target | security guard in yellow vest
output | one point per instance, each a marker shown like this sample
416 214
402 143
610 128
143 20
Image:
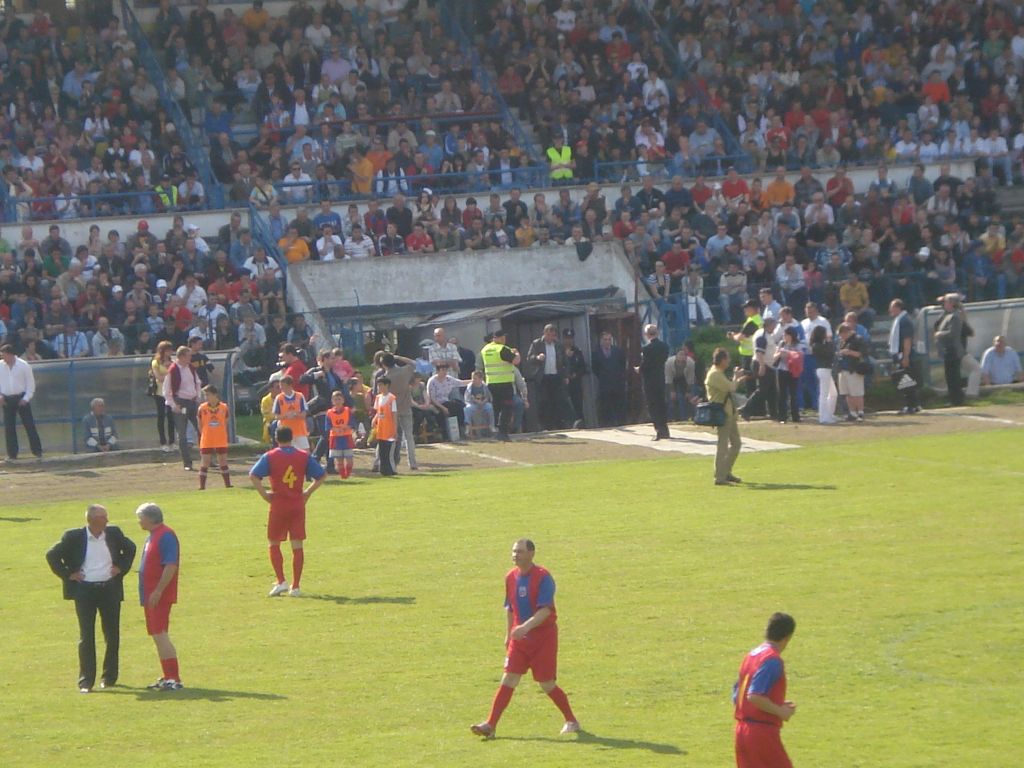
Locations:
560 160
744 337
167 193
499 372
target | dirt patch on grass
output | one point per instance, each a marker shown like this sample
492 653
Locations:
150 473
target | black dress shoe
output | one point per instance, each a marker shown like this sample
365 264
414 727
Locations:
733 479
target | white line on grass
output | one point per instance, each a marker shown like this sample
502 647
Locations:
482 455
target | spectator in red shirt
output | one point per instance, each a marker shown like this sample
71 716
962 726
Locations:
735 189
418 240
838 188
294 367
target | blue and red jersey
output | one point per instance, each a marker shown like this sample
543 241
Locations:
762 673
526 593
288 469
161 548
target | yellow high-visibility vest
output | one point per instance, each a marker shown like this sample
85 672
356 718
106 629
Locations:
560 158
496 370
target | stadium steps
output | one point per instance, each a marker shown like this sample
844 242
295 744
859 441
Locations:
1011 200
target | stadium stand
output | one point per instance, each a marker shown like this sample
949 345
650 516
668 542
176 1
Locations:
733 128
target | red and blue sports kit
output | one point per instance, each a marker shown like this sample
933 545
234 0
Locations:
288 468
161 549
759 734
525 594
340 423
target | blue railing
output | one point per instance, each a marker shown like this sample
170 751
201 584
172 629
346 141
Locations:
106 204
450 20
340 190
413 121
635 169
262 235
194 148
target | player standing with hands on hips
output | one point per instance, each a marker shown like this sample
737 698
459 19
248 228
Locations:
288 468
158 590
760 699
531 640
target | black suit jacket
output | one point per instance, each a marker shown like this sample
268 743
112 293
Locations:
67 556
611 370
535 367
652 364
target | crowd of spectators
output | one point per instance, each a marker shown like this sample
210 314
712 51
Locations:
764 84
346 101
119 295
82 126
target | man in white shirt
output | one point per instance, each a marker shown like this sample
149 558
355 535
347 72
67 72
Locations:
192 294
998 155
358 245
17 386
181 395
298 188
91 563
814 320
329 246
443 350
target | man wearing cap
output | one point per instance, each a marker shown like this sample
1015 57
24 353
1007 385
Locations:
499 371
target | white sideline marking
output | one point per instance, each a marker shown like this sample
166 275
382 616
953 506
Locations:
689 441
482 455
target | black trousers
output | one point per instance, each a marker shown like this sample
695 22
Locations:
576 397
764 395
12 409
105 599
910 398
954 384
655 393
164 421
788 396
503 397
554 402
386 450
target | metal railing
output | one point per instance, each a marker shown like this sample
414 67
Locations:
64 389
635 169
92 206
194 148
262 235
413 121
340 190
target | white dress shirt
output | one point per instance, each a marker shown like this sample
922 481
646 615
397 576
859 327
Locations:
550 359
17 379
98 562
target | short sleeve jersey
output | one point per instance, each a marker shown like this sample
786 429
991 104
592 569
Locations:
288 468
291 412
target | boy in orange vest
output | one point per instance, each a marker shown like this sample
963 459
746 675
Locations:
339 419
385 418
213 435
291 410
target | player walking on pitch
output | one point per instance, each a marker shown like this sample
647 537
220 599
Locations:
760 699
288 468
531 639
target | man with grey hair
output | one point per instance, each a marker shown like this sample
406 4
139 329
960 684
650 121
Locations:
444 349
91 563
158 590
653 356
98 428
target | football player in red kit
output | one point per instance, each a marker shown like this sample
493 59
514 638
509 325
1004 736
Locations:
288 468
760 699
531 639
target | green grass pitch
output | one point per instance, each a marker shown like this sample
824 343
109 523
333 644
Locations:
901 561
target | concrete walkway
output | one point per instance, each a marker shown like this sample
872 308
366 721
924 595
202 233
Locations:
684 440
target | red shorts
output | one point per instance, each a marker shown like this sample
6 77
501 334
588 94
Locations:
210 451
760 746
286 524
538 651
158 619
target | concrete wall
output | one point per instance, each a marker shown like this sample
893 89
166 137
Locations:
76 231
469 275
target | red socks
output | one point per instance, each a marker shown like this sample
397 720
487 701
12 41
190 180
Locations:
558 696
226 475
277 560
170 669
501 700
298 558
202 478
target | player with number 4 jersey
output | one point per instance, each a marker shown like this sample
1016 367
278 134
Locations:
288 469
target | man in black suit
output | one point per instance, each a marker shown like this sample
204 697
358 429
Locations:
547 369
608 362
653 357
91 562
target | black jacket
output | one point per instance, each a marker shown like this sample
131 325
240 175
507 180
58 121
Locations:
322 387
652 364
67 556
